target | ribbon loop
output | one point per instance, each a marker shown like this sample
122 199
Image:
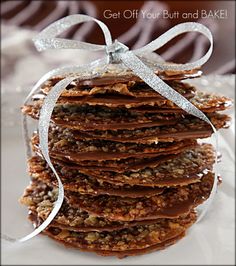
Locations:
171 34
46 38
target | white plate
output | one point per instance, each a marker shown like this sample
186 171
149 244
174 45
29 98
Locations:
209 242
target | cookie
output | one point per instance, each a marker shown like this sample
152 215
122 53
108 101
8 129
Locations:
172 203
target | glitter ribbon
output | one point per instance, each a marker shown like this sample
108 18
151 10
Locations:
116 52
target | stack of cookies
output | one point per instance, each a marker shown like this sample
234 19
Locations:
132 168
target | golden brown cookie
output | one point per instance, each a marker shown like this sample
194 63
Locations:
63 144
172 203
134 240
188 167
75 181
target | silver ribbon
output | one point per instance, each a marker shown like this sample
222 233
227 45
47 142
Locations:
116 52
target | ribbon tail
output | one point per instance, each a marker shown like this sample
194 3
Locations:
204 207
44 121
146 74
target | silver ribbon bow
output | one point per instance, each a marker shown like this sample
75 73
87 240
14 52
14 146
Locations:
116 52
